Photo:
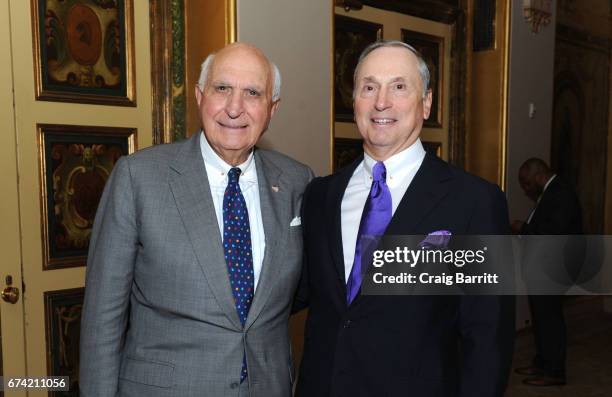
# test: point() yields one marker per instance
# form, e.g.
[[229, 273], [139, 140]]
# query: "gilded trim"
[[503, 138], [231, 25], [168, 70], [332, 121], [160, 71], [54, 343], [179, 105]]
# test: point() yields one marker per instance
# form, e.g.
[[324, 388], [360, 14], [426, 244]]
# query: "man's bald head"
[[535, 165], [247, 49], [533, 175], [236, 100]]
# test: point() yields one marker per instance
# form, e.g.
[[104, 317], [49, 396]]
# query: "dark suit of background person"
[[557, 212], [159, 316], [401, 345]]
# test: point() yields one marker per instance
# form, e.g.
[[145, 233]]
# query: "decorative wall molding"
[[445, 11], [537, 13], [168, 70]]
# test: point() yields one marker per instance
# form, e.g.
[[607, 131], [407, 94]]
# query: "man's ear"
[[541, 179], [198, 94], [427, 104], [275, 105]]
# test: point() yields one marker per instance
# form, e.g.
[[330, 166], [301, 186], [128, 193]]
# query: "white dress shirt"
[[401, 169], [216, 170]]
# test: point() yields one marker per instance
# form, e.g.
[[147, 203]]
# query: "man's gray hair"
[[422, 65], [205, 69]]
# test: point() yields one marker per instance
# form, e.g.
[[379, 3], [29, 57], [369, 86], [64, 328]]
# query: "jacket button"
[[234, 385], [347, 323]]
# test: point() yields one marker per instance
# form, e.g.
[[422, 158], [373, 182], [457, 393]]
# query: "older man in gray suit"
[[196, 253]]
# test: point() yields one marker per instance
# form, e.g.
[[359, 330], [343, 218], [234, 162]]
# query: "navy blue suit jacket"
[[403, 345]]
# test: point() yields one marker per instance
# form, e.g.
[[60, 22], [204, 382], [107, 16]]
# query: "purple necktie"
[[376, 216]]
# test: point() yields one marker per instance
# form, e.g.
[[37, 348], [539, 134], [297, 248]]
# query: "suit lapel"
[[429, 186], [191, 191], [541, 206], [274, 204], [333, 214], [426, 190]]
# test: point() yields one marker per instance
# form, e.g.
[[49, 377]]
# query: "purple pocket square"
[[436, 240]]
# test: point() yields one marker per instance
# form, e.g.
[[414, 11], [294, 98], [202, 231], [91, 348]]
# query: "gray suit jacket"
[[159, 317]]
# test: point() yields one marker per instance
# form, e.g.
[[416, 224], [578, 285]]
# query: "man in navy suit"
[[367, 345]]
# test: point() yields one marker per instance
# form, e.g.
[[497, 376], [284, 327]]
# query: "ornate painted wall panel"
[[351, 37], [83, 51], [63, 319], [75, 162]]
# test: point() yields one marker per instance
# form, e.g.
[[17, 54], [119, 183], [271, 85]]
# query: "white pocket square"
[[297, 221]]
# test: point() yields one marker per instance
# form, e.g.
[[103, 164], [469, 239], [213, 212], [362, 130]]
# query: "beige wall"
[[297, 37], [530, 82]]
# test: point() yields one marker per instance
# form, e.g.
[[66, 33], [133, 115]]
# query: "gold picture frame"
[[84, 51], [75, 163], [347, 150], [433, 147], [431, 49], [351, 37], [63, 309]]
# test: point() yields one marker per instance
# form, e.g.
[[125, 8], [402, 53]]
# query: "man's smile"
[[234, 126], [382, 120]]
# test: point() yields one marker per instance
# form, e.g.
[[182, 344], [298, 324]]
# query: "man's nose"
[[382, 100], [235, 104]]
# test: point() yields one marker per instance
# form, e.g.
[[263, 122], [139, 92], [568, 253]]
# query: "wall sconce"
[[349, 4], [537, 13]]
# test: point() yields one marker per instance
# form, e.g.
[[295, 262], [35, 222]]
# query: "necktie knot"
[[233, 174], [379, 172], [375, 218]]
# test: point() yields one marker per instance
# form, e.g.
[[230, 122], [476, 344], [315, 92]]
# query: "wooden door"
[[55, 156]]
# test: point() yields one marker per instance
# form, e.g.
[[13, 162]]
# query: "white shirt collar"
[[397, 166], [217, 168], [548, 183], [543, 190]]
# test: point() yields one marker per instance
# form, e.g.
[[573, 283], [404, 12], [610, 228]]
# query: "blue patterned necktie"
[[238, 253], [376, 216]]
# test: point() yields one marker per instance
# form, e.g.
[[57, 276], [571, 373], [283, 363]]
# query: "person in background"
[[557, 212]]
